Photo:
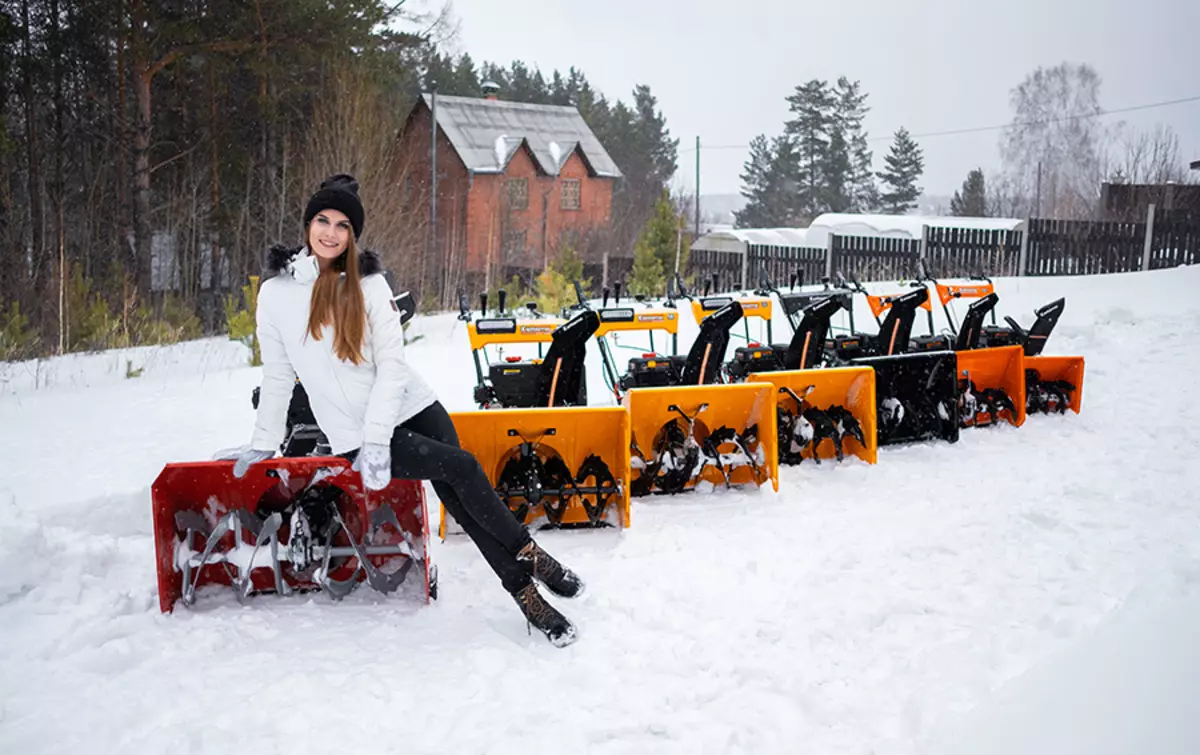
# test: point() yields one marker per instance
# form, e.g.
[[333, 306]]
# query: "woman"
[[325, 314]]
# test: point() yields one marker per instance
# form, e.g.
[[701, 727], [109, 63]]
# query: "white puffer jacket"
[[353, 403]]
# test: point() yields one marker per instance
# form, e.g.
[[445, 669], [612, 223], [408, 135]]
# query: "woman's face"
[[329, 233]]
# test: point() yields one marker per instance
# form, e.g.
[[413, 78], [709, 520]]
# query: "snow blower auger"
[[991, 386], [916, 396], [1053, 384], [836, 404], [289, 525], [553, 467], [722, 434], [915, 393]]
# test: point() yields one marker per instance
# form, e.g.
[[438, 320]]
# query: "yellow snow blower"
[[553, 467], [814, 406], [653, 366], [685, 435], [549, 457]]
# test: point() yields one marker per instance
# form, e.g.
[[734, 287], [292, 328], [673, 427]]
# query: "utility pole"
[[696, 230]]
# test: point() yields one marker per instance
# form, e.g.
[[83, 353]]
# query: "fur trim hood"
[[279, 257]]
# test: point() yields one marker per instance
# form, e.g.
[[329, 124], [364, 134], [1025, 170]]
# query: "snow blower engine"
[[553, 379]]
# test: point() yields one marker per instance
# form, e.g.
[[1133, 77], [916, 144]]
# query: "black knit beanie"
[[338, 192]]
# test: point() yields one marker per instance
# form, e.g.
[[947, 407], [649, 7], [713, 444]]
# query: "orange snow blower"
[[991, 386], [1053, 384], [683, 435], [561, 467], [289, 525], [813, 406]]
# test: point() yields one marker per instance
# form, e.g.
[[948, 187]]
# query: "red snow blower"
[[289, 525]]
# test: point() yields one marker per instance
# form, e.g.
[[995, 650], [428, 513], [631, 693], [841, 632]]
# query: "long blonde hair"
[[339, 300]]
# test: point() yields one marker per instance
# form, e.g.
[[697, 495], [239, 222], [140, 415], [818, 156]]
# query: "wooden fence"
[[874, 258], [703, 264], [1083, 247], [958, 252], [782, 262], [1175, 240], [1052, 247]]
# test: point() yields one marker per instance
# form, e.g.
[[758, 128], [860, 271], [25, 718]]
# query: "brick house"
[[514, 181]]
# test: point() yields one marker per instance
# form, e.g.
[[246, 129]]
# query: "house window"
[[518, 193], [570, 194], [514, 245]]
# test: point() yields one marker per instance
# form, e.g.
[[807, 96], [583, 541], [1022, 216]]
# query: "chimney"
[[490, 88]]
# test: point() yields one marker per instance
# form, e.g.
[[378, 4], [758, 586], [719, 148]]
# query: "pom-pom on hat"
[[338, 192]]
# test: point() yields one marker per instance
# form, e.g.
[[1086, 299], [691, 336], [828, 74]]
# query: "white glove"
[[243, 457], [374, 463]]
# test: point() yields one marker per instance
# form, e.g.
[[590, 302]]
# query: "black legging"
[[426, 448]]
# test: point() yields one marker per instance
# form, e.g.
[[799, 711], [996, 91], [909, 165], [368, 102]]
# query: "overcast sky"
[[721, 70]]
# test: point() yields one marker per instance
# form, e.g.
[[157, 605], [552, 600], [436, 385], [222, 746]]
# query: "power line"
[[981, 129]]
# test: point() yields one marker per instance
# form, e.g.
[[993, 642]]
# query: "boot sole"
[[564, 639], [582, 589]]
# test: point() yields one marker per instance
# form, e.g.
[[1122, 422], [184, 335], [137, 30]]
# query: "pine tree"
[[971, 202], [861, 192], [465, 80], [812, 105], [647, 276], [835, 189], [756, 186], [661, 234], [555, 287], [770, 185], [904, 165]]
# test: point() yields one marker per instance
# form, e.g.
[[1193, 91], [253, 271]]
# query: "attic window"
[[518, 193], [571, 194]]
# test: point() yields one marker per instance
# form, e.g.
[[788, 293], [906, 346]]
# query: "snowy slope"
[[897, 608]]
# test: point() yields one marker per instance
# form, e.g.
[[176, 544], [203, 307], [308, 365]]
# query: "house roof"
[[487, 133]]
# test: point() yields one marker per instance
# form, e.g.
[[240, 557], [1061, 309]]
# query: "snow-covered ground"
[[1023, 591]]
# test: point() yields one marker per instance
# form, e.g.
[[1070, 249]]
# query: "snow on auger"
[[685, 435], [289, 525], [916, 392], [552, 460], [1053, 384], [818, 405], [553, 467], [991, 386]]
